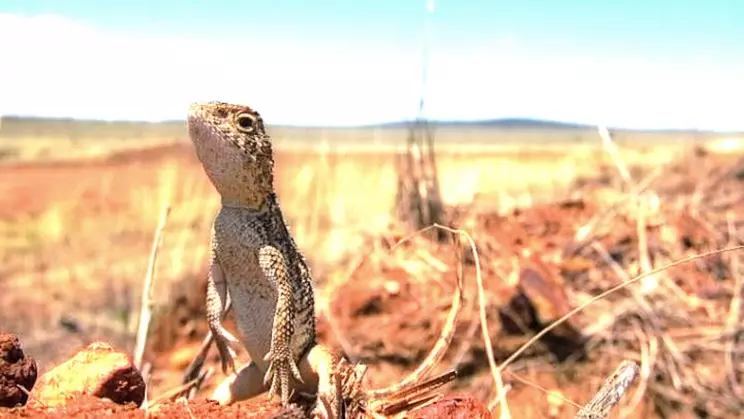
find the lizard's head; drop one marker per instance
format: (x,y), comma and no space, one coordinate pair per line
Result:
(232,144)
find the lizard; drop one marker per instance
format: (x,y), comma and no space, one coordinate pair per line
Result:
(255,261)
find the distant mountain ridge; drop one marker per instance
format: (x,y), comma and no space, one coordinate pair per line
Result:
(495,123)
(529,123)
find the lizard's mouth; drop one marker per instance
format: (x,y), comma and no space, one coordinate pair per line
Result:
(198,109)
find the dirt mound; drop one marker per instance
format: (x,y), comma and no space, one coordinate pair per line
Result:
(16,370)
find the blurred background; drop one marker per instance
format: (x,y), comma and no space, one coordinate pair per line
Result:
(542,128)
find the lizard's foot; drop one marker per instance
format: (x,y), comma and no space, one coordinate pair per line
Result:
(246,383)
(281,367)
(320,367)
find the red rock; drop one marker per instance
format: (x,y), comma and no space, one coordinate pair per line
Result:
(16,369)
(98,370)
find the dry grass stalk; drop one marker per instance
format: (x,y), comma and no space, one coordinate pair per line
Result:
(147,287)
(412,396)
(733,320)
(171,394)
(418,198)
(417,396)
(611,149)
(447,332)
(606,293)
(193,370)
(495,372)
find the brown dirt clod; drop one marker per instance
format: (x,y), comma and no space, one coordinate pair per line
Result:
(16,369)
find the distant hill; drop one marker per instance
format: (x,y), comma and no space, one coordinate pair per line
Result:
(497,123)
(518,123)
(486,123)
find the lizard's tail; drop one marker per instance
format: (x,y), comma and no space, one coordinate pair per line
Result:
(440,347)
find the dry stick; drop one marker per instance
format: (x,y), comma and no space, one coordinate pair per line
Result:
(634,189)
(187,407)
(624,277)
(543,389)
(146,305)
(201,379)
(418,395)
(447,333)
(644,255)
(612,150)
(734,316)
(30,396)
(172,393)
(649,353)
(145,371)
(583,233)
(711,182)
(466,343)
(194,368)
(561,320)
(333,323)
(611,392)
(495,371)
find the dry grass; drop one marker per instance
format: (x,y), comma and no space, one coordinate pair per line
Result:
(81,231)
(62,223)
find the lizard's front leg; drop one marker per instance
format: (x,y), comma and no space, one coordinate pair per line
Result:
(216,296)
(281,363)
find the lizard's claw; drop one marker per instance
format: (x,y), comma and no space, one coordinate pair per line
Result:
(227,354)
(278,373)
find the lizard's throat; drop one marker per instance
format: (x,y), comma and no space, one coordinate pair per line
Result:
(249,193)
(253,201)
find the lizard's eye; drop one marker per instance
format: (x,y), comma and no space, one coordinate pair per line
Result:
(245,122)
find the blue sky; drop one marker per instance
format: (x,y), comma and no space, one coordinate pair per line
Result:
(640,64)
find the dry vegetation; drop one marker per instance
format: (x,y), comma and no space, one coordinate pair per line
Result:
(77,215)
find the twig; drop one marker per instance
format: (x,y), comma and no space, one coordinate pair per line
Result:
(200,380)
(733,320)
(448,331)
(495,371)
(194,368)
(174,392)
(624,284)
(611,392)
(417,395)
(466,342)
(145,372)
(584,233)
(543,389)
(146,305)
(641,205)
(649,353)
(30,395)
(612,150)
(333,323)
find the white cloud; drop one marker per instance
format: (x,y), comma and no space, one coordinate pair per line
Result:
(54,66)
(58,67)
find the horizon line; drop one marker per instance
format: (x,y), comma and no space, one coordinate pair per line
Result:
(502,122)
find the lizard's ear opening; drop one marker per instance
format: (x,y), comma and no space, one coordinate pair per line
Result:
(245,122)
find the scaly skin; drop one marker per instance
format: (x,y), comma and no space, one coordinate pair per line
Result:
(256,262)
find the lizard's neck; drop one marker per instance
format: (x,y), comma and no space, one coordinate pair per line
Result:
(237,195)
(262,203)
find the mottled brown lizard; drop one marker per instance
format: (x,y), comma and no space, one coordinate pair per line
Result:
(254,260)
